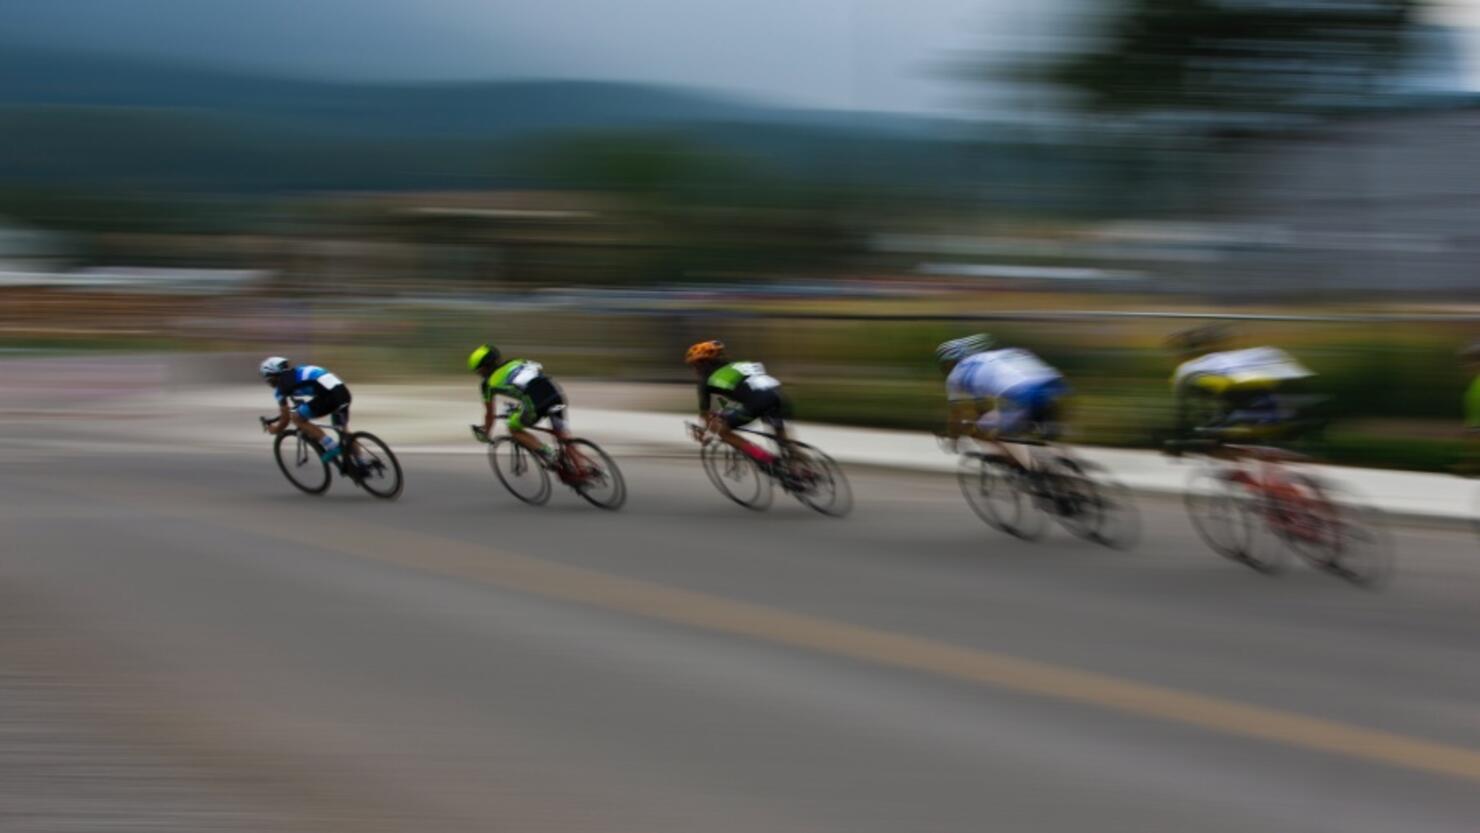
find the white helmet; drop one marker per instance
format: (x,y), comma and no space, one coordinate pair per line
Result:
(274,365)
(959,348)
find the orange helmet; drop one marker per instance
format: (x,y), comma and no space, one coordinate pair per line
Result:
(705,351)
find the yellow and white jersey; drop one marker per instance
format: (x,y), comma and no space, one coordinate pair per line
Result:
(1256,367)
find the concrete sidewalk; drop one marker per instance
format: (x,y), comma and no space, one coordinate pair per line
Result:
(435,419)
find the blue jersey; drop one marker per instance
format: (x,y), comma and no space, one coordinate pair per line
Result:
(306,382)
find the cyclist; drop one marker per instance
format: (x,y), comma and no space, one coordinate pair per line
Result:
(748,394)
(1469,465)
(327,395)
(999,393)
(1470,356)
(524,382)
(1234,393)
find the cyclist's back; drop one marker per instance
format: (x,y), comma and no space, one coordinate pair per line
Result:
(745,384)
(1249,369)
(1024,391)
(998,373)
(537,395)
(326,393)
(1248,390)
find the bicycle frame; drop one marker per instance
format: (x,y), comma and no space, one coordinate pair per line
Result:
(569,456)
(782,449)
(1285,507)
(341,436)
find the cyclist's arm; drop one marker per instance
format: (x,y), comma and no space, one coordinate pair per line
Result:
(706,398)
(278,425)
(960,415)
(707,417)
(523,407)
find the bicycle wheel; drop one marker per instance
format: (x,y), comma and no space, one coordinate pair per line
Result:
(298,457)
(518,469)
(1093,505)
(737,477)
(378,471)
(818,481)
(599,481)
(1341,534)
(994,490)
(1227,516)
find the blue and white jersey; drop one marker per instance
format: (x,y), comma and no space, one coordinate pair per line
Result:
(997,373)
(306,382)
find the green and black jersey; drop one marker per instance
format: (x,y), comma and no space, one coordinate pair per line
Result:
(537,396)
(512,379)
(744,383)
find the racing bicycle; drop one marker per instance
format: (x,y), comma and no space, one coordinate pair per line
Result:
(801,470)
(365,460)
(1250,504)
(1077,493)
(580,464)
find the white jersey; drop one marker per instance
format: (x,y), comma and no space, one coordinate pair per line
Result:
(996,372)
(1240,367)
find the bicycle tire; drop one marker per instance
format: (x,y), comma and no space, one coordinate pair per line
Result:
(820,469)
(724,463)
(606,472)
(383,462)
(1353,543)
(1228,519)
(505,453)
(992,488)
(1099,507)
(306,461)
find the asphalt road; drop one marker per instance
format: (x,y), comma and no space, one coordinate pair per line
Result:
(188,644)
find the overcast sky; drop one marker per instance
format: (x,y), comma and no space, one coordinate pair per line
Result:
(871,54)
(868,54)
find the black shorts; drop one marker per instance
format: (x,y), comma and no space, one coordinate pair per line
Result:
(541,399)
(768,406)
(333,401)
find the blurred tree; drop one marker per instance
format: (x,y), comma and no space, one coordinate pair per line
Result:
(1235,62)
(706,211)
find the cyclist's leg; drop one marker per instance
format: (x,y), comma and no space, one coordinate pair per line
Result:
(541,399)
(302,417)
(340,420)
(518,420)
(322,405)
(1046,408)
(1002,421)
(725,424)
(776,417)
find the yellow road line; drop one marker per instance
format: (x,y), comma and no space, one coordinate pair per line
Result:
(459,559)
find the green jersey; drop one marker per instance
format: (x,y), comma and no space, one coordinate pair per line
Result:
(739,382)
(512,379)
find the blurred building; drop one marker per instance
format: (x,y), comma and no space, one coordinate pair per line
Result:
(1379,201)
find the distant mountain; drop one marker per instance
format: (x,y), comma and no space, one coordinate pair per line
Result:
(94,123)
(481,109)
(91,121)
